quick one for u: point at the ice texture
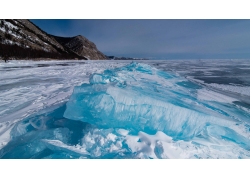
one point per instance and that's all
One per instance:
(139, 97)
(45, 135)
(131, 111)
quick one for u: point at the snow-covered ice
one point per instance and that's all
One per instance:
(119, 109)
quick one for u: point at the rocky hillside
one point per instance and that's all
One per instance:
(21, 39)
(81, 46)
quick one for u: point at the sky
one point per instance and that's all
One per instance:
(159, 39)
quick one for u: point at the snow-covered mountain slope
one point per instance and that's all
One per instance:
(21, 39)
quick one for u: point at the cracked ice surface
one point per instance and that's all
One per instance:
(28, 87)
(97, 109)
(139, 97)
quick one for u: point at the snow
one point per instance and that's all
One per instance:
(2, 29)
(11, 42)
(122, 132)
(118, 109)
(17, 36)
(8, 42)
(162, 146)
(101, 142)
(10, 25)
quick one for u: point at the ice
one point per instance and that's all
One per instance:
(28, 87)
(141, 98)
(5, 129)
(58, 146)
(208, 95)
(240, 90)
(43, 135)
(30, 145)
(114, 109)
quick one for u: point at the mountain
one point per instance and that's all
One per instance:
(21, 39)
(81, 46)
(124, 58)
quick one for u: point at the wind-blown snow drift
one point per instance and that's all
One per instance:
(139, 97)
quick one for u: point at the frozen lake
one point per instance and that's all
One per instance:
(119, 109)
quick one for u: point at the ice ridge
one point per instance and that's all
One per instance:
(139, 97)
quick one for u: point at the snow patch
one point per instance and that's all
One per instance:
(10, 25)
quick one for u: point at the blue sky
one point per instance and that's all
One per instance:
(160, 39)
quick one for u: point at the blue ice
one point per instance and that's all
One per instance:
(123, 110)
(139, 97)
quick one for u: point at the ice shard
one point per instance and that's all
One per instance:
(139, 97)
